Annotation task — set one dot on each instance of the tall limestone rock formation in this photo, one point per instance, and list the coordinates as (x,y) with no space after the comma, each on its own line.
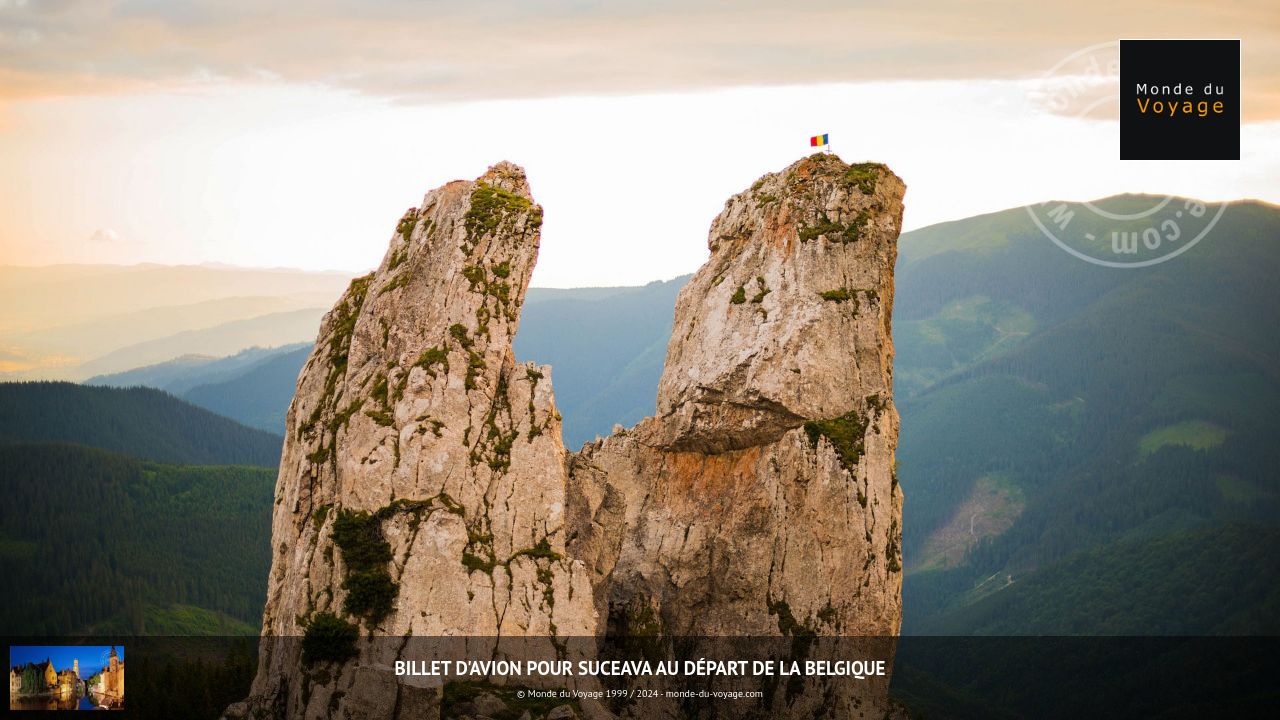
(762,499)
(424,488)
(422,485)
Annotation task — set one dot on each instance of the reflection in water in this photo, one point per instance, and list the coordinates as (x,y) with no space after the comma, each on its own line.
(66,701)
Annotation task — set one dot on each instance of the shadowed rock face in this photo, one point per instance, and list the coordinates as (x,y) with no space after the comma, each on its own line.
(424,489)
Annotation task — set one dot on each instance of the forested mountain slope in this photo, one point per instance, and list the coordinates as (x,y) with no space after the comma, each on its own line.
(141,422)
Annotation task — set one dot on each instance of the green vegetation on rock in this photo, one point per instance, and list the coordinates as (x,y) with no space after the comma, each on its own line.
(493,208)
(365,553)
(864,176)
(342,325)
(407,223)
(431,358)
(328,638)
(845,433)
(834,231)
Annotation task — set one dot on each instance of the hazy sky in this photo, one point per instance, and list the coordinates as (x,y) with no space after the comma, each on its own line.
(247,133)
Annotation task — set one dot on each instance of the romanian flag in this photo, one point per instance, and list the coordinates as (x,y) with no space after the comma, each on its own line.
(818,140)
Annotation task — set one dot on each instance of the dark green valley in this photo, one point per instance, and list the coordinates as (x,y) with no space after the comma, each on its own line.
(138,421)
(1082,444)
(103,543)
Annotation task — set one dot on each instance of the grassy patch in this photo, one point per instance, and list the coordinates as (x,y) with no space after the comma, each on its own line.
(474,562)
(458,332)
(343,416)
(1195,434)
(764,199)
(824,226)
(398,257)
(407,223)
(540,551)
(319,455)
(432,357)
(845,433)
(864,176)
(338,347)
(182,620)
(834,231)
(396,283)
(802,636)
(787,622)
(475,363)
(475,276)
(637,630)
(493,208)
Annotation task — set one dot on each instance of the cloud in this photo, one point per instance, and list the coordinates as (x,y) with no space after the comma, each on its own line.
(417,52)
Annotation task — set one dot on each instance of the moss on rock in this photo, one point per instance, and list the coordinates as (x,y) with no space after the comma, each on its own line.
(864,176)
(845,433)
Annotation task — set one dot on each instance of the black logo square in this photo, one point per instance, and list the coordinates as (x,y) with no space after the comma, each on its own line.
(1179,99)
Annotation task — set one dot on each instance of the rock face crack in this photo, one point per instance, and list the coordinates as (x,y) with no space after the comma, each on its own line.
(424,489)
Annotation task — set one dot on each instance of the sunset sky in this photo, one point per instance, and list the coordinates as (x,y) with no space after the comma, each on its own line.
(246,133)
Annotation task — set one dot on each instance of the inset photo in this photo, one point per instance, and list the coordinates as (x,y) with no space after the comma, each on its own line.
(66,677)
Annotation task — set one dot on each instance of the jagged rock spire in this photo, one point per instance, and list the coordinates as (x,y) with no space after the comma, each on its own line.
(424,489)
(422,484)
(762,498)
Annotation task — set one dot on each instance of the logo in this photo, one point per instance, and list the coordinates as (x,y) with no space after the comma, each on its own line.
(1131,231)
(1179,99)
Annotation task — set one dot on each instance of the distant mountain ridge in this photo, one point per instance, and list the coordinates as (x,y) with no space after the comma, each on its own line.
(183,373)
(140,422)
(259,395)
(219,340)
(70,322)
